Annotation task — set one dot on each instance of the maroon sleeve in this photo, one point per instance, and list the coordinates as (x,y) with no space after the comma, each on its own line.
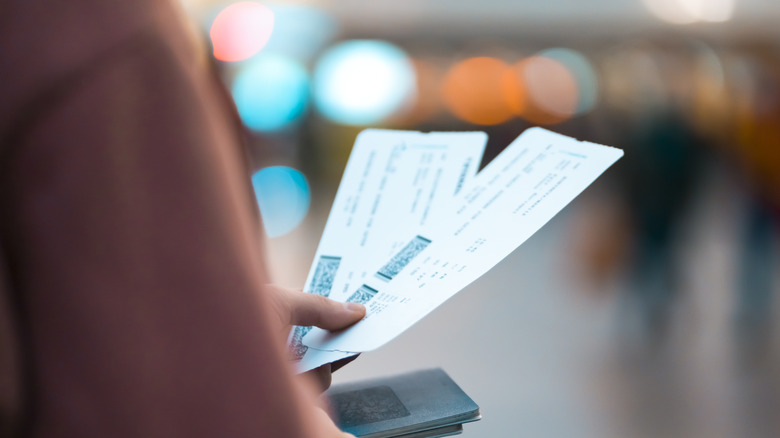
(135,251)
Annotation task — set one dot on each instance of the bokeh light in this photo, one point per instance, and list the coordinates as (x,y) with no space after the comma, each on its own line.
(670,11)
(363,81)
(691,11)
(549,91)
(241,30)
(584,76)
(283,197)
(473,91)
(714,11)
(271,92)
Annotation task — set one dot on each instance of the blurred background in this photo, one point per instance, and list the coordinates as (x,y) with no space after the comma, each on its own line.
(647,307)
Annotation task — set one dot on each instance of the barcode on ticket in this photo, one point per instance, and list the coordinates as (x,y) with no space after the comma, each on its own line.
(400,260)
(363,295)
(322,282)
(297,349)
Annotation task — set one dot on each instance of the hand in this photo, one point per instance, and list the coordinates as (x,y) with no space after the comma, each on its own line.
(299,308)
(322,374)
(320,421)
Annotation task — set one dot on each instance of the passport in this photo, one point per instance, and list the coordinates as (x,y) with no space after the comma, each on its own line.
(420,404)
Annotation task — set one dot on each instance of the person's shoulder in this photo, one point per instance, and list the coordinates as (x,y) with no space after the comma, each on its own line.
(44,45)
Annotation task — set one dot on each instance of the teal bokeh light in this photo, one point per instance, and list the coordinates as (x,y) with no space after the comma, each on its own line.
(271,92)
(283,197)
(362,82)
(583,72)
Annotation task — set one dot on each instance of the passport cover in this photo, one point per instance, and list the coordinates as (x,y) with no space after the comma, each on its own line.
(419,404)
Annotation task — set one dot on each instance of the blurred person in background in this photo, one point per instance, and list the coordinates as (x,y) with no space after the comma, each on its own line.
(637,225)
(756,151)
(133,296)
(682,107)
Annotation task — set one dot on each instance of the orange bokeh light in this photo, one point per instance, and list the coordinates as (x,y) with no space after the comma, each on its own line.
(241,30)
(514,89)
(473,91)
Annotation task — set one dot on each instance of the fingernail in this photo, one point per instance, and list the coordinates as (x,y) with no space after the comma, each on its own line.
(354,307)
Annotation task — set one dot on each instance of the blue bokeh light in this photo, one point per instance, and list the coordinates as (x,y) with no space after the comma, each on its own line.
(283,197)
(271,92)
(362,82)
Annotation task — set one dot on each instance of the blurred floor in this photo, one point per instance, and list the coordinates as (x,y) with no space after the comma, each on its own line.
(546,354)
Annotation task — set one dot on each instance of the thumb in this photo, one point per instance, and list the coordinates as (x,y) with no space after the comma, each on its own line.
(310,309)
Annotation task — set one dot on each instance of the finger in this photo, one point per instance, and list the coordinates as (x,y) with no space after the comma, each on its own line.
(315,310)
(321,376)
(322,422)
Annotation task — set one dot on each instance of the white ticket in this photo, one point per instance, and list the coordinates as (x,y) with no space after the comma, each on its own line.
(507,202)
(393,181)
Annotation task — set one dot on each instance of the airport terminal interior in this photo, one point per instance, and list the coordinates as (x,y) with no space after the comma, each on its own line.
(647,306)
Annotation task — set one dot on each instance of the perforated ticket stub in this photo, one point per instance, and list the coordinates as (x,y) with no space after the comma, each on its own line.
(425,263)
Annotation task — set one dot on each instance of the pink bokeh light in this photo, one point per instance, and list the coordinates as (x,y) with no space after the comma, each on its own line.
(241,30)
